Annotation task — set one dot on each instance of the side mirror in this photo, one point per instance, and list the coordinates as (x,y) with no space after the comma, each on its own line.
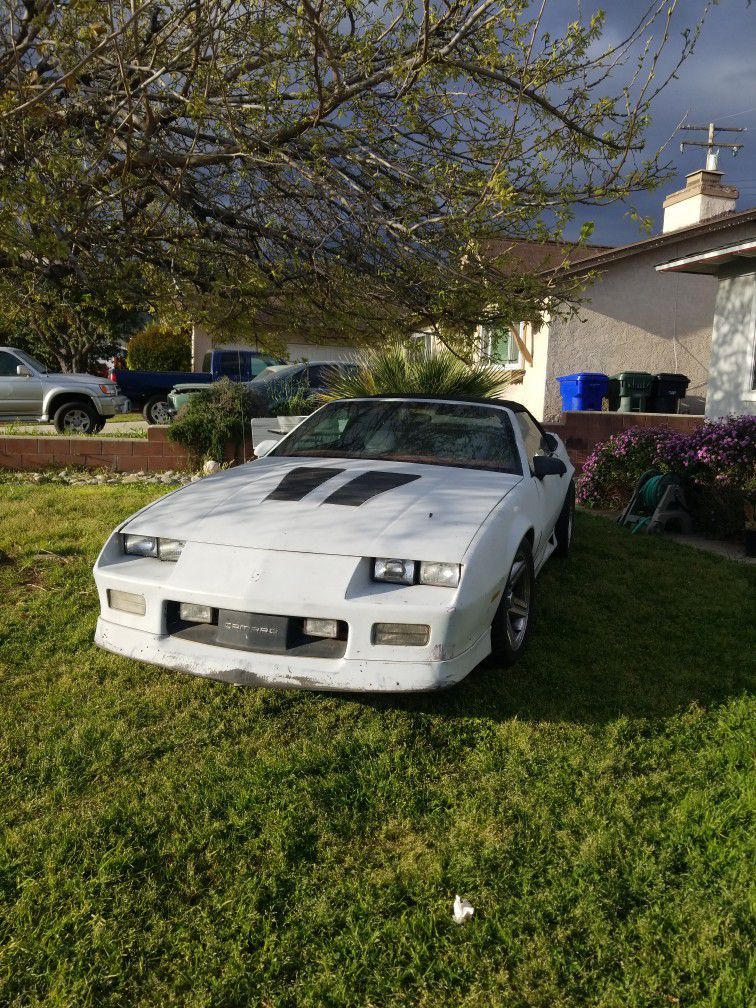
(264,447)
(23,371)
(545,465)
(549,442)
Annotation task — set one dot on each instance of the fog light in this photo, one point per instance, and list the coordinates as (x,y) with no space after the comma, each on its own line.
(191,613)
(404,634)
(321,627)
(126,601)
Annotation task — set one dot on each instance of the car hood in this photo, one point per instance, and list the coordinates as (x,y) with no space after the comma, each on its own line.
(415,511)
(61,378)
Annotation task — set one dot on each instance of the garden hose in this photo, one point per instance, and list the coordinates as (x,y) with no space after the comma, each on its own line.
(650,495)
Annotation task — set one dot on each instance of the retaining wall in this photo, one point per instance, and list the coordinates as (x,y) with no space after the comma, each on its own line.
(579,431)
(155,453)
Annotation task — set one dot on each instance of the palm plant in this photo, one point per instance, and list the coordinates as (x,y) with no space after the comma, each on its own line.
(410,368)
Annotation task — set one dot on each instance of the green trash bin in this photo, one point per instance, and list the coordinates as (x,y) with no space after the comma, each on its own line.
(630,391)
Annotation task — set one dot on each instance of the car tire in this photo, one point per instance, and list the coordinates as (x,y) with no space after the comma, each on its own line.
(157,410)
(565,523)
(76,418)
(511,626)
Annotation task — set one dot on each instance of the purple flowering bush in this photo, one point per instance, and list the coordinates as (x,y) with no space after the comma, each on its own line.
(718,462)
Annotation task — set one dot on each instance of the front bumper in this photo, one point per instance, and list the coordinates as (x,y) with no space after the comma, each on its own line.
(257,669)
(294,585)
(112,405)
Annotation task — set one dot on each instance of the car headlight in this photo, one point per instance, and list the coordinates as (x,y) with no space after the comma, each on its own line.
(170,549)
(108,389)
(446,575)
(429,572)
(151,546)
(397,571)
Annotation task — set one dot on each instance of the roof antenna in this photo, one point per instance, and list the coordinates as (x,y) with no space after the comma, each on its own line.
(713,146)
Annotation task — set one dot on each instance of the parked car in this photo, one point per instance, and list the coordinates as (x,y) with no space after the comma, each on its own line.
(311,378)
(388,543)
(179,395)
(75,403)
(149,390)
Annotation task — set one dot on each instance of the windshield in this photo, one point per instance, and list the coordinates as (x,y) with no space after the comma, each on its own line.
(431,433)
(33,362)
(276,371)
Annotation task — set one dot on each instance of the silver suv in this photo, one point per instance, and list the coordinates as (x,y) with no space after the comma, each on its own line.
(76,403)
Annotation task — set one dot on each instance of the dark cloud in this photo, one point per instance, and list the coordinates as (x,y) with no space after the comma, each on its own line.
(717,82)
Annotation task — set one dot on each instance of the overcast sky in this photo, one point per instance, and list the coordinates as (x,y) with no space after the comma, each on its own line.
(717,82)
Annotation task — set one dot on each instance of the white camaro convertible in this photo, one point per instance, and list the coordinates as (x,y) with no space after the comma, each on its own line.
(388,543)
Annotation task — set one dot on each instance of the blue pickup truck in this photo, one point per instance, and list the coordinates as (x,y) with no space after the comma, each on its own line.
(148,390)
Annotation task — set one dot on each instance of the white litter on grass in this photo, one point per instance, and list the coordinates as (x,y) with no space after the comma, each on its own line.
(462,909)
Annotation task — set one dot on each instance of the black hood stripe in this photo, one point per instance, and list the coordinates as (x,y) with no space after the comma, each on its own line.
(367,485)
(297,483)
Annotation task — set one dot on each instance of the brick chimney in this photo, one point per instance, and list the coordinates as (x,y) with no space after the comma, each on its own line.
(703,197)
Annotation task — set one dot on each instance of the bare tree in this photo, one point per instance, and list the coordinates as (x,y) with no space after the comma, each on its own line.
(336,159)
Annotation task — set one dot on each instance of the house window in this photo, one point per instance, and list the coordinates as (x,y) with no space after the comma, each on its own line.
(499,346)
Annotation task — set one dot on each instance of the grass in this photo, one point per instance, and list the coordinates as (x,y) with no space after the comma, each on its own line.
(30,429)
(169,841)
(125,417)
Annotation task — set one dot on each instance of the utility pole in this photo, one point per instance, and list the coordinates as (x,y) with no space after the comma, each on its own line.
(713,146)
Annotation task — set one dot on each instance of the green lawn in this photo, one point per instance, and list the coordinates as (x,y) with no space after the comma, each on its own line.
(170,841)
(123,417)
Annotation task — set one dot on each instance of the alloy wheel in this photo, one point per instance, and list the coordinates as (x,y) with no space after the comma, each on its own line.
(517,598)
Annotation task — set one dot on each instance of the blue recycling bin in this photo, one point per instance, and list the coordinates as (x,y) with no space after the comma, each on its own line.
(583,391)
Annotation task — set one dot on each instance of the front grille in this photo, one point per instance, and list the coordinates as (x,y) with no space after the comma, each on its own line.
(254,632)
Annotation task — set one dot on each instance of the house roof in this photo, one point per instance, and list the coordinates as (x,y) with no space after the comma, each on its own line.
(714,226)
(542,256)
(712,260)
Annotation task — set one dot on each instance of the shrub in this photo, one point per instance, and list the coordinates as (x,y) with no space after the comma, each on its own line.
(614,467)
(293,400)
(717,461)
(215,416)
(408,367)
(160,347)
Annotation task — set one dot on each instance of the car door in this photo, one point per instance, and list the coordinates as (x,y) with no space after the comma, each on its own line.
(19,396)
(549,492)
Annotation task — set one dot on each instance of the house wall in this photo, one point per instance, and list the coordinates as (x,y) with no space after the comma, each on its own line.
(202,342)
(733,344)
(530,388)
(635,319)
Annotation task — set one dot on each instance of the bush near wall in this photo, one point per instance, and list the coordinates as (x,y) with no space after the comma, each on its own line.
(215,417)
(160,347)
(717,461)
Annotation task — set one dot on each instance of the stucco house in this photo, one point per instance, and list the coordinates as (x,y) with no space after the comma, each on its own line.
(732,362)
(639,314)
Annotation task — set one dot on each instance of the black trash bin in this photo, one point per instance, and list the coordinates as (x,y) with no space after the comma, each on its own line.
(666,392)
